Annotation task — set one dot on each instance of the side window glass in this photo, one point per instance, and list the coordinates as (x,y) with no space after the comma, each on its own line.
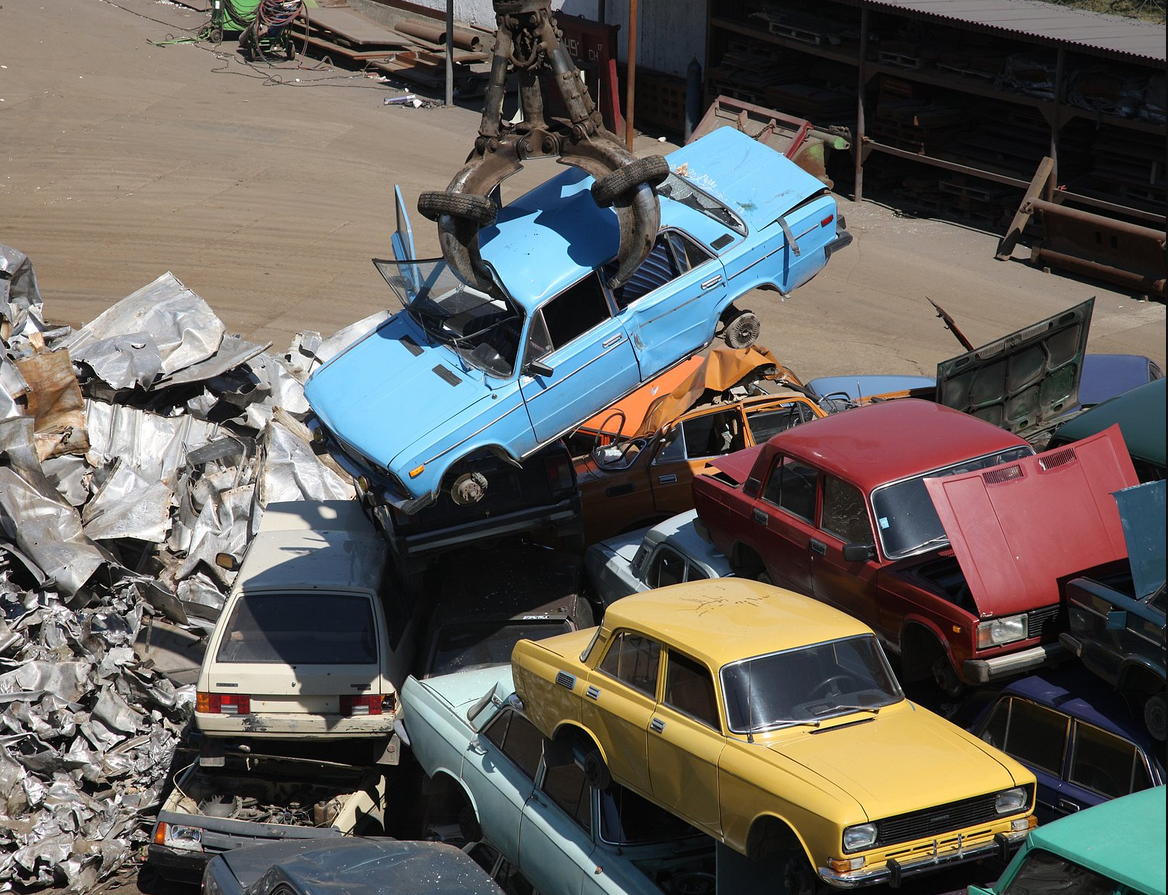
(632,659)
(569,315)
(995,729)
(1103,762)
(689,688)
(1156,601)
(672,448)
(845,514)
(714,434)
(518,739)
(688,253)
(1037,736)
(668,568)
(792,487)
(655,271)
(693,573)
(765,423)
(565,786)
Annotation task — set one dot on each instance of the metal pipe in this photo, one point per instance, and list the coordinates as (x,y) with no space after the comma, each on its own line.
(862,83)
(450,53)
(631,76)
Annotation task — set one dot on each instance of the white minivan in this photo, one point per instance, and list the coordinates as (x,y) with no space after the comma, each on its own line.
(314,638)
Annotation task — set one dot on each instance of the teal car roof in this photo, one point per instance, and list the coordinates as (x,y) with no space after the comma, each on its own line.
(1141,416)
(551,237)
(1123,839)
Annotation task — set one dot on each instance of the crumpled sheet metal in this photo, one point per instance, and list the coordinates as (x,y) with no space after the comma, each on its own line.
(20,297)
(166,317)
(48,530)
(94,547)
(53,400)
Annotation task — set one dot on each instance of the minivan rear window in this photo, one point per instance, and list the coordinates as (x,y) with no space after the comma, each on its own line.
(300,629)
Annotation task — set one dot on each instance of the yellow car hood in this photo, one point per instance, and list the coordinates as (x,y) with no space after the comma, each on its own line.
(904,759)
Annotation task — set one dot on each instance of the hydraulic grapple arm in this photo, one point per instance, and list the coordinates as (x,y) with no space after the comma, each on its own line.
(528,42)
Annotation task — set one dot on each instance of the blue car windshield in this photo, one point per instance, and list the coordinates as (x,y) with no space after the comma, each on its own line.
(905,516)
(808,684)
(484,331)
(681,190)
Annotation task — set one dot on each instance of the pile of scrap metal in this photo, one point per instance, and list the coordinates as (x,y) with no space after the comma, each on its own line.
(132,451)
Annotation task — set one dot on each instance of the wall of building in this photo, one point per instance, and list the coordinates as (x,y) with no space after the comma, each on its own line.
(670,32)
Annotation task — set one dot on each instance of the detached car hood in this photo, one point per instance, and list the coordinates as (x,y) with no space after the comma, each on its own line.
(748,176)
(739,464)
(911,759)
(390,389)
(1017,529)
(1023,381)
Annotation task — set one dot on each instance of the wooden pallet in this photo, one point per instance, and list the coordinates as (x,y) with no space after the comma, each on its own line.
(794,32)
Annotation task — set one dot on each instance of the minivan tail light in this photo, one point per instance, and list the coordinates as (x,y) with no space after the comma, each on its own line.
(222,704)
(559,473)
(361,705)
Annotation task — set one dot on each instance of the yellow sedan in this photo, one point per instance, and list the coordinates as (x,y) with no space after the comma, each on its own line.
(774,724)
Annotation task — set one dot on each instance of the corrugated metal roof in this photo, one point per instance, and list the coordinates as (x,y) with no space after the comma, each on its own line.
(1047,23)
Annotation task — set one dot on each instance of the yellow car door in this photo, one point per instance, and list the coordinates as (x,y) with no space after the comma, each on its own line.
(685,742)
(618,705)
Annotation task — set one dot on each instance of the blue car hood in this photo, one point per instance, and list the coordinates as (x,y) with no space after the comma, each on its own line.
(755,181)
(1141,512)
(383,394)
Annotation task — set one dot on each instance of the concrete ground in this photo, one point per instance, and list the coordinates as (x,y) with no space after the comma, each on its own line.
(267,189)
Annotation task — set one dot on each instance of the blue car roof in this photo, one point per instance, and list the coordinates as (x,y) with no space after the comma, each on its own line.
(1107,375)
(551,237)
(1075,691)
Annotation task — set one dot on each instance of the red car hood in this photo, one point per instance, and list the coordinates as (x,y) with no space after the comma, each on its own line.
(737,465)
(1017,529)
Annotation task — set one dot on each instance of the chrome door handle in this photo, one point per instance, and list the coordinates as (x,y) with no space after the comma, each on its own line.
(712,281)
(657,725)
(817,547)
(760,516)
(1068,806)
(612,340)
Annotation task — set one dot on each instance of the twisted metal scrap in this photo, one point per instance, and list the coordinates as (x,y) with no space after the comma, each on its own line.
(528,42)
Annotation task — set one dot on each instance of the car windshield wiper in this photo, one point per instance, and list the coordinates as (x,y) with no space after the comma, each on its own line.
(940,539)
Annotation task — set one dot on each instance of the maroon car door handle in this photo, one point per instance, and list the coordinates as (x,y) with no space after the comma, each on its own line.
(760,516)
(817,547)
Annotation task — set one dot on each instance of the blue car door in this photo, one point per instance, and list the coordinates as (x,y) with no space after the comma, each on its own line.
(578,360)
(499,770)
(671,304)
(555,835)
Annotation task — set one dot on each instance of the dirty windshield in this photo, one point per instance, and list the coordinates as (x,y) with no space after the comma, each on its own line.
(808,685)
(681,190)
(484,331)
(905,516)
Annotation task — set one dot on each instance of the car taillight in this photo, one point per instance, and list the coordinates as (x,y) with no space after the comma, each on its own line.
(361,705)
(559,473)
(222,704)
(827,220)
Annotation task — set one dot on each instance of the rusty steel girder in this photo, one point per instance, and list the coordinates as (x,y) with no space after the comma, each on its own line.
(1092,245)
(528,42)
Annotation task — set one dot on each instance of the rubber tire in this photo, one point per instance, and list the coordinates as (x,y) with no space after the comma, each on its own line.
(1154,715)
(480,209)
(596,773)
(612,186)
(797,877)
(468,824)
(945,677)
(743,331)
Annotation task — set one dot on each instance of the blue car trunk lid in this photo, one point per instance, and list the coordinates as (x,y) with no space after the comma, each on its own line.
(741,173)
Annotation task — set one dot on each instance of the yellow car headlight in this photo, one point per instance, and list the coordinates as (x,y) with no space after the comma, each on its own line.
(1011,800)
(858,837)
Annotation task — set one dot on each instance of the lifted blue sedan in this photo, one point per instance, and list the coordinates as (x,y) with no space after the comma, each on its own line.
(409,406)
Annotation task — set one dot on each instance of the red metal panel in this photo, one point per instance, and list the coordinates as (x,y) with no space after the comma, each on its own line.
(592,46)
(1019,528)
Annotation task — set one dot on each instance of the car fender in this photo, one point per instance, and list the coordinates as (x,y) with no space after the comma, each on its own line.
(929,626)
(445,777)
(573,728)
(765,816)
(1139,668)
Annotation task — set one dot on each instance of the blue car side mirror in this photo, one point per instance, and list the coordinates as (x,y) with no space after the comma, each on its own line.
(537,368)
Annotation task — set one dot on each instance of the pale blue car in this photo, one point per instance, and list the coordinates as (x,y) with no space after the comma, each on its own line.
(459,374)
(490,779)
